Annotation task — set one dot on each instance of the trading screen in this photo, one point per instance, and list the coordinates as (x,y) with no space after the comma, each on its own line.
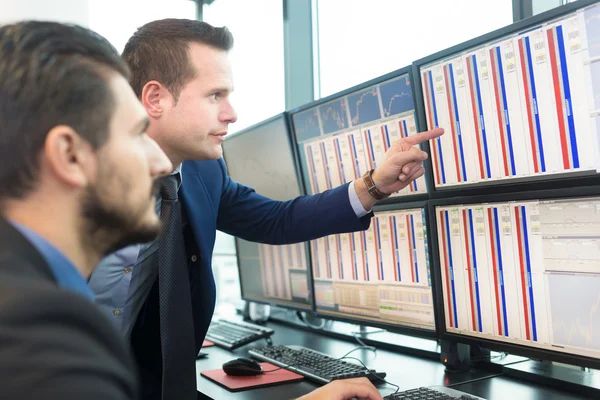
(524,106)
(261,157)
(342,139)
(526,272)
(380,275)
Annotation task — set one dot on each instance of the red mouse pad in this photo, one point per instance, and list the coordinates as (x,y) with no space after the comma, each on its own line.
(238,383)
(207,343)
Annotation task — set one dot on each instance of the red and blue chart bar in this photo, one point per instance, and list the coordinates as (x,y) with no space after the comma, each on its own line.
(516,108)
(393,250)
(335,160)
(492,266)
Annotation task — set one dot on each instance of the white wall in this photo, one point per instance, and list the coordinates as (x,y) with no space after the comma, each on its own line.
(116,20)
(71,11)
(360,40)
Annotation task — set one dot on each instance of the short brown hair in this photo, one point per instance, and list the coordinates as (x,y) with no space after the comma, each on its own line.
(159,51)
(50,74)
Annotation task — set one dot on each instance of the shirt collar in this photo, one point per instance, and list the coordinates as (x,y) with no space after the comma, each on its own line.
(177,172)
(66,275)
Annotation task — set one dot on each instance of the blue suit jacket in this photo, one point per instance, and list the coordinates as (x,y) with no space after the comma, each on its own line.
(213,201)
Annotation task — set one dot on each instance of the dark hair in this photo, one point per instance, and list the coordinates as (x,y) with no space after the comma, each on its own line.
(50,74)
(159,51)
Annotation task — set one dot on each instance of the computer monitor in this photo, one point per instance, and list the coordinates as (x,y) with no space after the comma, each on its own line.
(262,158)
(380,277)
(521,273)
(518,104)
(343,136)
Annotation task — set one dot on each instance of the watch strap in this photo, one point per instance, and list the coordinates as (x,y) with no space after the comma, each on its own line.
(371,188)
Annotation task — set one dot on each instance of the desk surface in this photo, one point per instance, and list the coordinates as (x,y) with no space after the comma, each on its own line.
(503,387)
(405,371)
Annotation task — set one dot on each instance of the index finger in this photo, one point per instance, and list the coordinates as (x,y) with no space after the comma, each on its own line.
(424,136)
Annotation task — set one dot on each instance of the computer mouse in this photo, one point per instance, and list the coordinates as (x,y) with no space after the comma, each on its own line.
(242,367)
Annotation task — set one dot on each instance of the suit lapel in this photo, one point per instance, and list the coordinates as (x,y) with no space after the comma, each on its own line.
(13,245)
(201,212)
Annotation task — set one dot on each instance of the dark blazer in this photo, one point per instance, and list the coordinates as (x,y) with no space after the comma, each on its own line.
(54,344)
(213,201)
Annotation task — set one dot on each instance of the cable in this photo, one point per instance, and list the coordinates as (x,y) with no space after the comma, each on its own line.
(305,322)
(475,380)
(500,356)
(370,348)
(375,375)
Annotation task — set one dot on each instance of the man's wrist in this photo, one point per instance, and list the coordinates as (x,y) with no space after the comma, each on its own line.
(365,198)
(372,189)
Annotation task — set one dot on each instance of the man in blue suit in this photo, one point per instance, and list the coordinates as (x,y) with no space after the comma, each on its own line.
(182,75)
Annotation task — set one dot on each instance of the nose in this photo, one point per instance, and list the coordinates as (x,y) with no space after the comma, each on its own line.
(228,113)
(160,164)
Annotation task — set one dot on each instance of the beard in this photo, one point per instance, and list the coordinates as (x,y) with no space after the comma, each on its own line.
(110,227)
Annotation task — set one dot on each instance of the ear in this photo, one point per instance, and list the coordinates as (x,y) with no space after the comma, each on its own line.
(154,98)
(69,157)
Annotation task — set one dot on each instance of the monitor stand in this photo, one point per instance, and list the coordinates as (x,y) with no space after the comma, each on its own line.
(256,312)
(455,356)
(574,379)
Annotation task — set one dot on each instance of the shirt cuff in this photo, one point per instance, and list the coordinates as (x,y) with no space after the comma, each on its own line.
(357,206)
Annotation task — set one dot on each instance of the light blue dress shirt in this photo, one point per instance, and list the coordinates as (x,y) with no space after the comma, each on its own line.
(66,275)
(123,280)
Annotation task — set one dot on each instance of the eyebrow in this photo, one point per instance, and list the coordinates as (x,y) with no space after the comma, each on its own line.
(222,89)
(141,126)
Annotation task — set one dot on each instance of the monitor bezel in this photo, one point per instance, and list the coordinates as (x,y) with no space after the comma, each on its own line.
(498,186)
(292,143)
(287,123)
(497,345)
(274,302)
(390,327)
(407,70)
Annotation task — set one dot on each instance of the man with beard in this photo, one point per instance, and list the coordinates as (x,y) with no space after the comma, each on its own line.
(76,181)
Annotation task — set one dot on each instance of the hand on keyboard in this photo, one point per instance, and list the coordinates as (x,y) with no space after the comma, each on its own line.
(343,390)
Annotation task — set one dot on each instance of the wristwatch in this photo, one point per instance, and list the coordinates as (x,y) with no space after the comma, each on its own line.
(373,191)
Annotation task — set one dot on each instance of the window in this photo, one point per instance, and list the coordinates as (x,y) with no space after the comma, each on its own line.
(258,77)
(117,20)
(538,6)
(359,40)
(256,57)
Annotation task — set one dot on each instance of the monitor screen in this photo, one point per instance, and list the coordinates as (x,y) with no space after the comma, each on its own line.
(524,273)
(523,106)
(261,157)
(342,138)
(380,276)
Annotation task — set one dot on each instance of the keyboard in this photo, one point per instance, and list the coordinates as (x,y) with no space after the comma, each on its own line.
(233,334)
(316,366)
(433,393)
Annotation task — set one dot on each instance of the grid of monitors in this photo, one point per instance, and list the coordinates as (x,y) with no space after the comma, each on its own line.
(381,276)
(262,158)
(348,134)
(378,277)
(522,106)
(523,273)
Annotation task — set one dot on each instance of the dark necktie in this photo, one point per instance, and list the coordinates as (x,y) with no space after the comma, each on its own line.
(176,321)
